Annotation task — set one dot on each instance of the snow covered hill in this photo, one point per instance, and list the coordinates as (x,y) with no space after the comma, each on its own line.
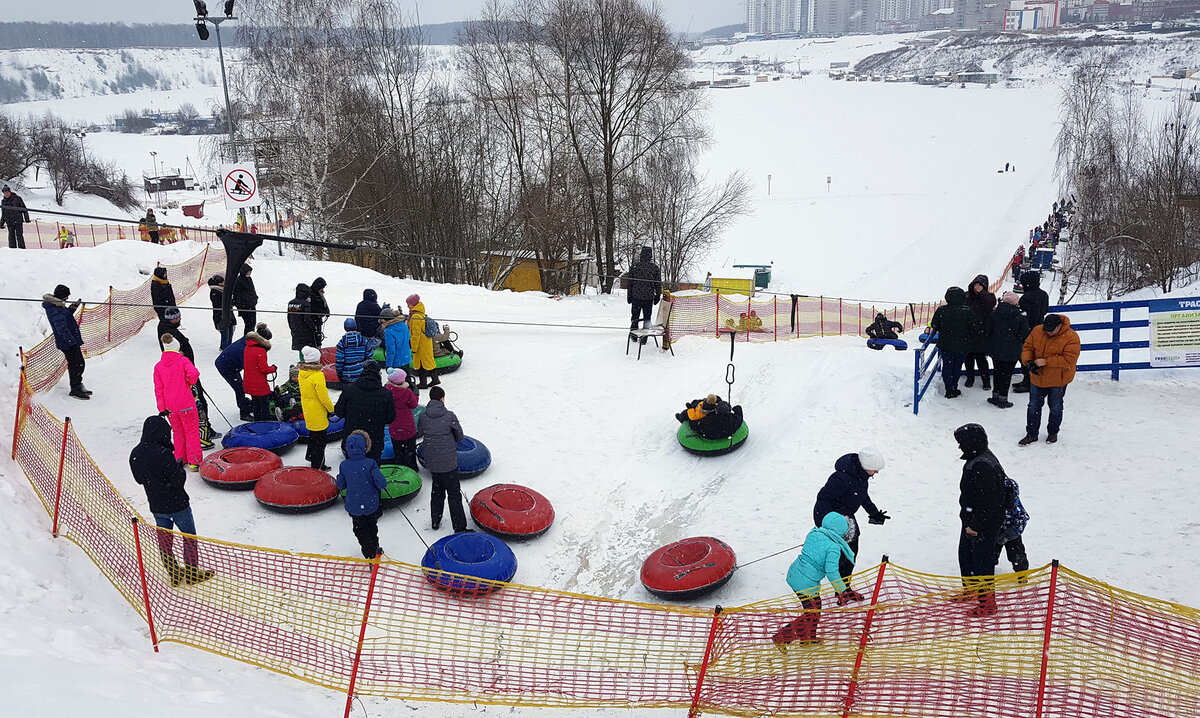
(62,74)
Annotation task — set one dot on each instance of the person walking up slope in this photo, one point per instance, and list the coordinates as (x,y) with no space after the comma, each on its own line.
(66,336)
(359,476)
(845,491)
(174,375)
(442,433)
(982,303)
(1035,303)
(1006,330)
(162,294)
(981,502)
(154,466)
(824,548)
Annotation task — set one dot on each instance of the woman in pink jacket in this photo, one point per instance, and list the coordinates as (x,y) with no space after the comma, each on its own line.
(174,376)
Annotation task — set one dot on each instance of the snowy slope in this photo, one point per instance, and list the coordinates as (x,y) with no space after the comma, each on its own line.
(85,73)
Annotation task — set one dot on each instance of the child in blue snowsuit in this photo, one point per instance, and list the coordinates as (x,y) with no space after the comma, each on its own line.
(823,548)
(362,481)
(1015,520)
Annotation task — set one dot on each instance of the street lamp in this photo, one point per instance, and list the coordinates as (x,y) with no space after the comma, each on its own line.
(202,21)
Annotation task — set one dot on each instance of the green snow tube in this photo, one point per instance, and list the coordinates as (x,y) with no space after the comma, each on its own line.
(380,355)
(696,444)
(446,364)
(402,484)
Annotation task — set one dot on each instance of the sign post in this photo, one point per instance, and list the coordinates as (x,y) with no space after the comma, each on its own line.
(239,185)
(1174,332)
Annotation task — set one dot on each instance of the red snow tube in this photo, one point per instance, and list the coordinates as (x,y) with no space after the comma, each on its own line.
(328,355)
(238,468)
(688,568)
(331,377)
(296,489)
(512,511)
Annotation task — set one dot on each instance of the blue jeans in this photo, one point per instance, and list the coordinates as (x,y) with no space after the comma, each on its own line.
(233,378)
(952,363)
(227,336)
(1033,416)
(183,521)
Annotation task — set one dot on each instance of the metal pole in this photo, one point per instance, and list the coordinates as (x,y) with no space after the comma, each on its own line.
(362,633)
(137,543)
(694,711)
(1041,697)
(225,86)
(62,459)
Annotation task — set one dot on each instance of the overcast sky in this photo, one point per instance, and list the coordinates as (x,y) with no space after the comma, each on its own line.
(684,15)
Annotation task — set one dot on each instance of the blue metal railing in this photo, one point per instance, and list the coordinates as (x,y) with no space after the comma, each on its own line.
(929,356)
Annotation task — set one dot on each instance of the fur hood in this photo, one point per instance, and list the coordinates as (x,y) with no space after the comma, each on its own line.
(309,366)
(257,339)
(51,299)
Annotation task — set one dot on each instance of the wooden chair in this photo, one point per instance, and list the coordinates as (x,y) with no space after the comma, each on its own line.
(654,331)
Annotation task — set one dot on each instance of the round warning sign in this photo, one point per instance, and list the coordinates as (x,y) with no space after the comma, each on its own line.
(240,186)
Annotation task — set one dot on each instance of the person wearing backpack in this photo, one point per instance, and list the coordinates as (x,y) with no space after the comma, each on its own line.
(422,330)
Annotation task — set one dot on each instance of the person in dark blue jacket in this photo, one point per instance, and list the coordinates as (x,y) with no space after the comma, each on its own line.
(353,351)
(361,479)
(66,336)
(845,492)
(230,363)
(366,314)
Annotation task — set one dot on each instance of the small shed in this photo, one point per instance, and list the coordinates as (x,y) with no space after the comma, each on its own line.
(526,276)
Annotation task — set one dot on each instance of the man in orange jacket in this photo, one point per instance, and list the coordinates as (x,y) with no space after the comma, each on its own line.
(1050,354)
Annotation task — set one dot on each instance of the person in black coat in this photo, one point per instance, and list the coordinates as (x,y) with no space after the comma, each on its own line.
(366,314)
(162,294)
(982,303)
(845,491)
(320,308)
(153,465)
(365,405)
(645,288)
(169,324)
(954,324)
(216,295)
(982,509)
(712,417)
(301,320)
(1006,330)
(883,328)
(13,215)
(245,298)
(67,336)
(1035,303)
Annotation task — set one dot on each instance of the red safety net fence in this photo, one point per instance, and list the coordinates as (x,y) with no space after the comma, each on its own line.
(51,234)
(106,326)
(779,317)
(1061,644)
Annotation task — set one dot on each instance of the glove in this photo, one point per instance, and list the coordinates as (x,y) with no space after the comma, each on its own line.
(1032,368)
(878,518)
(681,417)
(848,596)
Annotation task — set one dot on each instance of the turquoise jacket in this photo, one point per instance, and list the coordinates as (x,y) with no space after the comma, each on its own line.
(823,547)
(396,342)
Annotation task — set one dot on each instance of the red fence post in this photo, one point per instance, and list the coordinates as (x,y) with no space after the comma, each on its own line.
(862,640)
(839,316)
(20,403)
(694,711)
(748,312)
(110,297)
(362,633)
(203,263)
(38,228)
(137,543)
(62,459)
(822,319)
(1046,637)
(717,321)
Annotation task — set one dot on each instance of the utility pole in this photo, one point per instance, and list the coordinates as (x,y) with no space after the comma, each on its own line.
(202,21)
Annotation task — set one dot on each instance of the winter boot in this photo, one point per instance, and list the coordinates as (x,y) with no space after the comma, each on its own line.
(1052,438)
(436,523)
(433,378)
(85,390)
(1029,440)
(79,393)
(194,574)
(970,382)
(987,383)
(986,606)
(174,570)
(423,376)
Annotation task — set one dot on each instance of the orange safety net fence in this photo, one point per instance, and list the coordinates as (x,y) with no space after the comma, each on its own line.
(52,234)
(780,317)
(909,649)
(106,326)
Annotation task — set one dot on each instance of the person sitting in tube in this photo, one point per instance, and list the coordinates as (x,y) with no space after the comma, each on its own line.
(712,417)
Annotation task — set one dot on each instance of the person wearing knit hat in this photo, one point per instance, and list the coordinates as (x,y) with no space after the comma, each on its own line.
(162,294)
(286,397)
(315,405)
(397,342)
(412,300)
(845,492)
(66,336)
(403,430)
(421,344)
(174,376)
(169,324)
(1005,331)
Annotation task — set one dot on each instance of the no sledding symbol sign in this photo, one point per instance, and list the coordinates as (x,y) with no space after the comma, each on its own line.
(239,185)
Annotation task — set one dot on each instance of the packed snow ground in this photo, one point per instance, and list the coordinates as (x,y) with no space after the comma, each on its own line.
(566,412)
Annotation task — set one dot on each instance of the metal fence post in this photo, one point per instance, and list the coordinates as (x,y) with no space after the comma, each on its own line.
(862,640)
(694,712)
(1041,696)
(137,543)
(1116,337)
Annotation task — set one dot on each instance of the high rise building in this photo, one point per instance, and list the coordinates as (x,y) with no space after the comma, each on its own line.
(769,17)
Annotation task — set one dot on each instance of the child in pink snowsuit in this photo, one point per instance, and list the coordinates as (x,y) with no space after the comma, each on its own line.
(174,376)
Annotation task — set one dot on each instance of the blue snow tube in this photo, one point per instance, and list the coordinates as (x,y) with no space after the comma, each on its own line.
(270,435)
(479,558)
(898,344)
(333,433)
(473,457)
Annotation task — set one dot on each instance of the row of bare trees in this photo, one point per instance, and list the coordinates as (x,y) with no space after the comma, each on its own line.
(49,144)
(1136,185)
(557,130)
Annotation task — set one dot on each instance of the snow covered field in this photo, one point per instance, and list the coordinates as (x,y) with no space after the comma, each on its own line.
(915,205)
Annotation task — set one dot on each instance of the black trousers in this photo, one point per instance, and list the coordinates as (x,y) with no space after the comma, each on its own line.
(16,235)
(446,490)
(260,406)
(1004,374)
(153,236)
(977,360)
(366,530)
(404,452)
(977,556)
(75,366)
(315,454)
(642,309)
(1016,554)
(250,319)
